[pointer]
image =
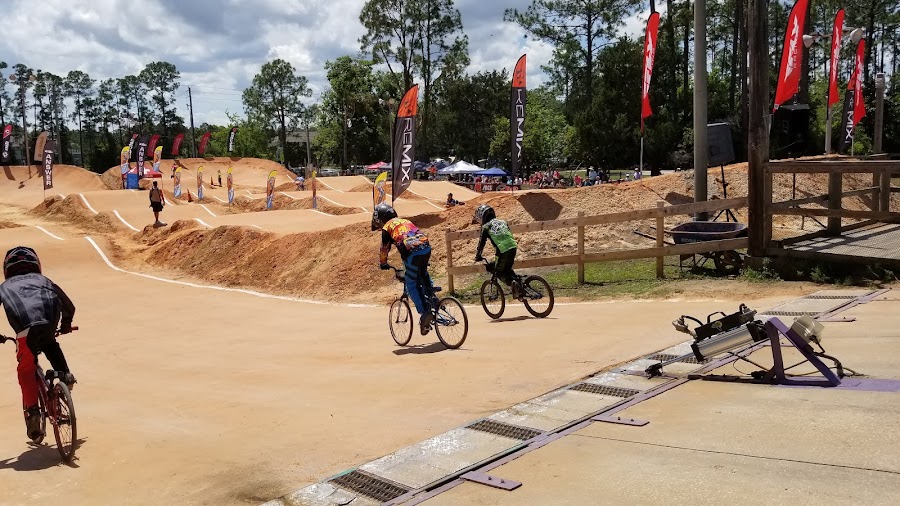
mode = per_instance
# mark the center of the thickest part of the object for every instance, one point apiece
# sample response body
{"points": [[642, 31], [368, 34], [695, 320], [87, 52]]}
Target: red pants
{"points": [[27, 370]]}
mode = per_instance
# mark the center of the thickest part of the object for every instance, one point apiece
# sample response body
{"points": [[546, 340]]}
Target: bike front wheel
{"points": [[64, 426], [537, 296], [401, 322], [451, 323], [492, 298]]}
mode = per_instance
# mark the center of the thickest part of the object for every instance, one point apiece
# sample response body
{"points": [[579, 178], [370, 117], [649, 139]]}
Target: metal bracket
{"points": [[840, 319], [619, 420], [491, 481]]}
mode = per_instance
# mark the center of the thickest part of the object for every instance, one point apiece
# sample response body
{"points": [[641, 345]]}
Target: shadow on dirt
{"points": [[37, 458], [422, 349]]}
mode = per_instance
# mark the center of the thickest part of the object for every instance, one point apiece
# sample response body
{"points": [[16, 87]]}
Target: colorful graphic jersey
{"points": [[403, 234], [500, 235]]}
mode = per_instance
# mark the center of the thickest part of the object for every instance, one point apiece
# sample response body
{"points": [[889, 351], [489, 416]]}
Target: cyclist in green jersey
{"points": [[501, 237]]}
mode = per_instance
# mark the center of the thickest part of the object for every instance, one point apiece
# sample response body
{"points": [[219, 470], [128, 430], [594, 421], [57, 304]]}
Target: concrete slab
{"points": [[675, 369], [578, 403], [626, 381], [322, 494], [434, 458], [579, 470]]}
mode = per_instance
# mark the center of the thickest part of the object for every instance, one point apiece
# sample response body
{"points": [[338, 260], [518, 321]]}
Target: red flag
{"points": [[836, 34], [203, 141], [152, 145], [859, 107], [789, 76], [7, 137], [404, 142], [649, 58], [176, 144], [517, 115]]}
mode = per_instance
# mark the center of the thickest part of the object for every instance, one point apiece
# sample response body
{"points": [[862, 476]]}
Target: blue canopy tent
{"points": [[493, 171]]}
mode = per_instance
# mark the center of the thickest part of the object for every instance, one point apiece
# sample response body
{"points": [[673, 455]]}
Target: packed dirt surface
{"points": [[239, 353]]}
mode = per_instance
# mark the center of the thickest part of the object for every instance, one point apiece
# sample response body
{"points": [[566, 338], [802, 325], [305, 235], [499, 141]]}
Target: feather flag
{"points": [[650, 41], [789, 75], [517, 103], [404, 142]]}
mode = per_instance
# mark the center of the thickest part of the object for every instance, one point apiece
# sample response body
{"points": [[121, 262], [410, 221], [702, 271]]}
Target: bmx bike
{"points": [[448, 317], [55, 403], [532, 290]]}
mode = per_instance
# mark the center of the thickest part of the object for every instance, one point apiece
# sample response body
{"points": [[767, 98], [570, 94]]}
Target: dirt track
{"points": [[191, 395]]}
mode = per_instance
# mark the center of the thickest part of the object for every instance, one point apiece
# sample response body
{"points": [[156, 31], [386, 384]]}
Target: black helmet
{"points": [[483, 214], [382, 214], [20, 260]]}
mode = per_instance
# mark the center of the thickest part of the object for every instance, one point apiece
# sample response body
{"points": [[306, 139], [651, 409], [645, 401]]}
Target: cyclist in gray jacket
{"points": [[34, 306]]}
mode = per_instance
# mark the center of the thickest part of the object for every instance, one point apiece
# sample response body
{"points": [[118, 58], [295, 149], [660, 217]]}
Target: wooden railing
{"points": [[880, 191], [580, 258]]}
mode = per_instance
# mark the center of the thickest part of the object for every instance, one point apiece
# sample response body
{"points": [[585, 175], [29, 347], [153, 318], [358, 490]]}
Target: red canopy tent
{"points": [[378, 166]]}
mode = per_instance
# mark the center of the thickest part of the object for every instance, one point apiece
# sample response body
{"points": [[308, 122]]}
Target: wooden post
{"points": [[758, 132], [449, 246], [660, 236], [834, 202], [885, 200], [876, 193], [580, 248]]}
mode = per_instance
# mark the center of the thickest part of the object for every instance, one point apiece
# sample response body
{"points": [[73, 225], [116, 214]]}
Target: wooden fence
{"points": [[580, 258]]}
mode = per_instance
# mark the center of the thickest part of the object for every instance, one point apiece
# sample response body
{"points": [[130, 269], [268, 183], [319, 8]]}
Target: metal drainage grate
{"points": [[605, 390], [665, 357], [505, 429], [830, 297], [370, 485], [792, 313]]}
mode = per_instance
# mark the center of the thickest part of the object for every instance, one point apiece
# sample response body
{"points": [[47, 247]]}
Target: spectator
{"points": [[577, 180], [452, 201], [300, 182], [220, 177]]}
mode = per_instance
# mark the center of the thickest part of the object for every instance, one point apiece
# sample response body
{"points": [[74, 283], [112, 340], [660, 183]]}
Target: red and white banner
{"points": [[176, 144], [789, 75], [649, 58], [856, 84], [836, 34], [151, 146], [203, 141], [7, 138]]}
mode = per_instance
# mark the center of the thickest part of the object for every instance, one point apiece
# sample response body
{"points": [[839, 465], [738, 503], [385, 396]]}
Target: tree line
{"points": [[586, 112]]}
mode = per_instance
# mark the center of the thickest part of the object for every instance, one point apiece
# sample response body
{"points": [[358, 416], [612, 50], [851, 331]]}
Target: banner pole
{"points": [[641, 166]]}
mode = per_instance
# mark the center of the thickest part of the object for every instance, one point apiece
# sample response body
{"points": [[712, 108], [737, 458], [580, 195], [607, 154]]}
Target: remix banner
{"points": [[7, 138], [270, 189], [378, 191], [789, 76], [176, 144], [230, 180], [200, 183], [404, 142], [48, 165], [650, 39], [177, 189], [836, 33], [517, 116], [157, 157], [203, 142]]}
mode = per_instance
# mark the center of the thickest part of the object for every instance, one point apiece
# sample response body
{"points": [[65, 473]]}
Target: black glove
{"points": [[65, 328], [384, 267], [478, 258]]}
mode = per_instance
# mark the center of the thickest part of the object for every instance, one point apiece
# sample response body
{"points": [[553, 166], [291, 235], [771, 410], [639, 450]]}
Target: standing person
{"points": [[414, 250], [502, 238], [34, 306], [157, 201], [220, 177]]}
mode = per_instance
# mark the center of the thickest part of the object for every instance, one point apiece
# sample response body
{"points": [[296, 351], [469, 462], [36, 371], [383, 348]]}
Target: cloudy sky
{"points": [[219, 45]]}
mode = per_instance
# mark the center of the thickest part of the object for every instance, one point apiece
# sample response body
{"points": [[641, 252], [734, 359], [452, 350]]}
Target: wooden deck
{"points": [[877, 243]]}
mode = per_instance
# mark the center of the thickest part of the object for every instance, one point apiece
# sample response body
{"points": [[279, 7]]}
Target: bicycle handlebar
{"points": [[3, 338]]}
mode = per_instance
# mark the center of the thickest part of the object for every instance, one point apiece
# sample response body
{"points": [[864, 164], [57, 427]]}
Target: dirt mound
{"points": [[8, 224], [72, 210], [361, 188]]}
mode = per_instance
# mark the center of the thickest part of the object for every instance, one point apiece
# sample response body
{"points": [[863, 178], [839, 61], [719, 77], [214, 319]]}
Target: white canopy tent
{"points": [[461, 167]]}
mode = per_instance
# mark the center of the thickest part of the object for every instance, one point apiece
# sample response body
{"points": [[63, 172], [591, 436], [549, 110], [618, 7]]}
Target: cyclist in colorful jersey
{"points": [[34, 305], [414, 250], [501, 237]]}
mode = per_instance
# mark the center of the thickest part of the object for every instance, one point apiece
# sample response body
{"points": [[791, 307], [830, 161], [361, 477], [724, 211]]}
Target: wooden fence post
{"points": [[660, 235], [580, 248], [834, 202], [885, 196], [449, 246]]}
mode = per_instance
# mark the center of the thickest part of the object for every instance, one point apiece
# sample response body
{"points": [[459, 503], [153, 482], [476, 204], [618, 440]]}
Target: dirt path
{"points": [[192, 395]]}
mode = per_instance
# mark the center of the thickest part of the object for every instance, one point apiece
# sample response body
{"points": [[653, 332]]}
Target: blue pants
{"points": [[418, 283]]}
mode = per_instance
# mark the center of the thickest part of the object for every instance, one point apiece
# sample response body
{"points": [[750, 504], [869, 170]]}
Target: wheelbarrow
{"points": [[726, 262]]}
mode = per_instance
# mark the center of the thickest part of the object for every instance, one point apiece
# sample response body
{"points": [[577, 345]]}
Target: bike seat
{"points": [[436, 289]]}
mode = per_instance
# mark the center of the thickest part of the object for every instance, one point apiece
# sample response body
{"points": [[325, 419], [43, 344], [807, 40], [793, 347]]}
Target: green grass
{"points": [[628, 278]]}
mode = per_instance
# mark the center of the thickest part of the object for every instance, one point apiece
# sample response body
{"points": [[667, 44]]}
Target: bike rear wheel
{"points": [[451, 323], [43, 417], [492, 298], [537, 296], [64, 426], [400, 321]]}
